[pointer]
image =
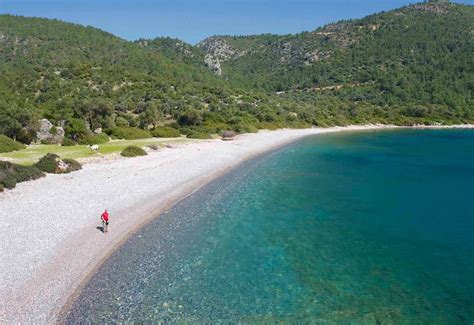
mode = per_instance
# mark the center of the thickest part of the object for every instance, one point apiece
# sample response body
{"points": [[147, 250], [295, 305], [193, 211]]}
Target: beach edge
{"points": [[147, 212]]}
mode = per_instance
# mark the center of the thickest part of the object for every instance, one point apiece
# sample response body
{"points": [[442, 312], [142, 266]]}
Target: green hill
{"points": [[411, 65], [422, 54], [175, 49], [62, 71]]}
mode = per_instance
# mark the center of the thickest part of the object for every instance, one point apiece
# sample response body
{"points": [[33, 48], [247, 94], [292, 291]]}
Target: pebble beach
{"points": [[49, 231]]}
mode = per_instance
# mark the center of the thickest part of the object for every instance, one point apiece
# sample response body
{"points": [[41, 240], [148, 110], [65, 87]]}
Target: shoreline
{"points": [[54, 277]]}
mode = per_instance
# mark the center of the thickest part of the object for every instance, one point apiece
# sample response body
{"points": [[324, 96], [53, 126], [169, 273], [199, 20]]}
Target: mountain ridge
{"points": [[409, 65]]}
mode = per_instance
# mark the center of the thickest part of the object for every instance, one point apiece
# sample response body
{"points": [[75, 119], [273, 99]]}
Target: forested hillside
{"points": [[411, 65], [420, 54]]}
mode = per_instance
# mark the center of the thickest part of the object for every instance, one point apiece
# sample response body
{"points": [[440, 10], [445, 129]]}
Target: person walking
{"points": [[105, 220]]}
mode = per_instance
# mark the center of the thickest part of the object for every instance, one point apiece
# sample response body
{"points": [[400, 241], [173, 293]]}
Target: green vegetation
{"points": [[49, 164], [165, 132], [198, 135], [11, 174], [72, 165], [133, 151], [68, 143], [52, 164], [94, 139], [129, 133], [411, 65], [8, 145], [32, 154]]}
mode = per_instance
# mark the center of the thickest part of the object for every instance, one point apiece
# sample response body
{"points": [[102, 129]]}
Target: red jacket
{"points": [[105, 216]]}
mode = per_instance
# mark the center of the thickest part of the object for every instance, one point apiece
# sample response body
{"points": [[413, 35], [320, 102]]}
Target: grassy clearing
{"points": [[32, 154]]}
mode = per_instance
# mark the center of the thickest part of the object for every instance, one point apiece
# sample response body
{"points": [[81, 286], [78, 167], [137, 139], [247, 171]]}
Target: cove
{"points": [[361, 227]]}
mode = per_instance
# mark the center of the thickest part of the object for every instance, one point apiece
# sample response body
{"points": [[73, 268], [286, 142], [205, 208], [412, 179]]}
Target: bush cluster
{"points": [[198, 135], [245, 128], [269, 125], [165, 132], [94, 139], [8, 145], [52, 164], [133, 151], [11, 174], [49, 163], [129, 133], [72, 165], [68, 142]]}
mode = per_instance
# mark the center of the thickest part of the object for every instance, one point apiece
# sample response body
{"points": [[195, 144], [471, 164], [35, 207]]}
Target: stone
{"points": [[48, 133], [98, 131], [217, 51]]}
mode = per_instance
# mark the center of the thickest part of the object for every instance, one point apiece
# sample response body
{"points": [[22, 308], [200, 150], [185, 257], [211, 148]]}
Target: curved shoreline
{"points": [[45, 296], [64, 308]]}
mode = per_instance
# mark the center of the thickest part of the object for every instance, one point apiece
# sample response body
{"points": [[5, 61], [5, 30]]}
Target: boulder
{"points": [[48, 133]]}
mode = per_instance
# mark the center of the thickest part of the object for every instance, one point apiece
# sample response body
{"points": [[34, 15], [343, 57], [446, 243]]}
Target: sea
{"points": [[366, 227]]}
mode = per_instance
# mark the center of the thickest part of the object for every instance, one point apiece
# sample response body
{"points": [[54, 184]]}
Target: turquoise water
{"points": [[368, 227]]}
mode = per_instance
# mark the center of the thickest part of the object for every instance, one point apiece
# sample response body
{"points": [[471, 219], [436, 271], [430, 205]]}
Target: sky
{"points": [[194, 20]]}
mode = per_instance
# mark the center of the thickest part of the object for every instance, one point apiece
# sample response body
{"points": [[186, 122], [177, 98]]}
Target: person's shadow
{"points": [[100, 228]]}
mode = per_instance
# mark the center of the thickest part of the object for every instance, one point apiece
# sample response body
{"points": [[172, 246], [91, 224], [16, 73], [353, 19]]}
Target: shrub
{"points": [[52, 164], [27, 173], [68, 142], [53, 130], [8, 145], [130, 133], [245, 128], [48, 141], [269, 125], [216, 127], [7, 180], [198, 135], [190, 118], [11, 174], [165, 132], [76, 129], [122, 122], [72, 165], [49, 163], [94, 139], [133, 151]]}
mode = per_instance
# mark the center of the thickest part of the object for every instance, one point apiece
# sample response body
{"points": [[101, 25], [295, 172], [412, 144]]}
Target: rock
{"points": [[434, 6], [48, 133], [217, 51], [98, 131]]}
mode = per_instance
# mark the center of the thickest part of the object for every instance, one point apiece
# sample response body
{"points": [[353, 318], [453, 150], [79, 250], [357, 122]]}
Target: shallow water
{"points": [[361, 227]]}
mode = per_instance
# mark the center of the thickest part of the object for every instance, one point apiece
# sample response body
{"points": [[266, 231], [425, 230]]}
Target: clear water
{"points": [[370, 227]]}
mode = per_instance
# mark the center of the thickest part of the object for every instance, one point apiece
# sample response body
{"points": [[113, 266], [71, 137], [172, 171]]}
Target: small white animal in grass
{"points": [[94, 148]]}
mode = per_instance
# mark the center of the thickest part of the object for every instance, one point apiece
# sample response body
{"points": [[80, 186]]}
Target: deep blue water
{"points": [[367, 227]]}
